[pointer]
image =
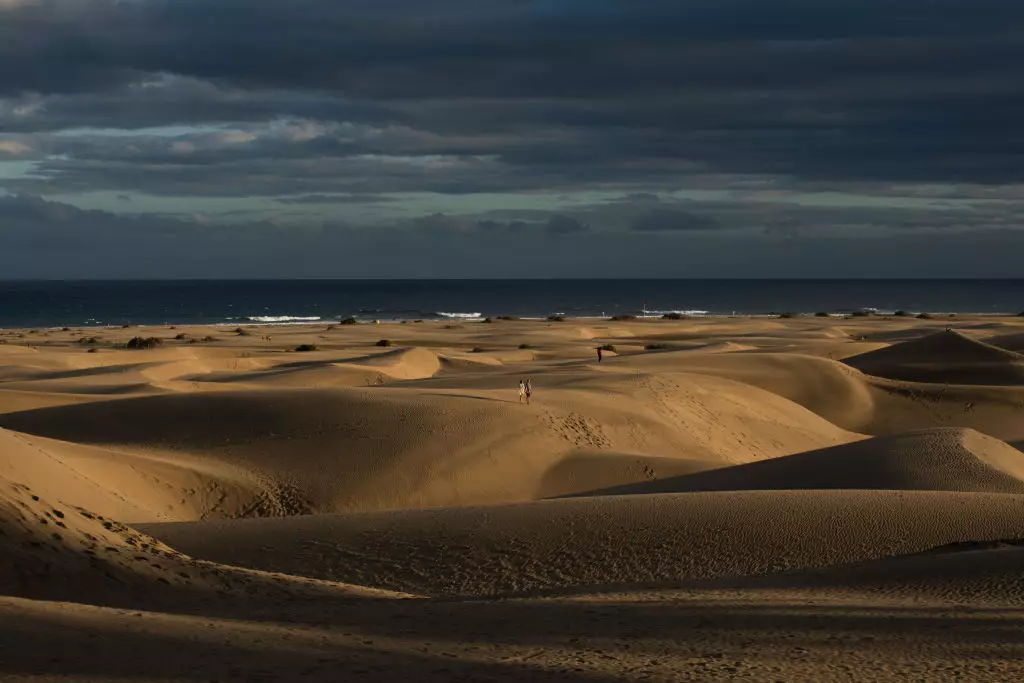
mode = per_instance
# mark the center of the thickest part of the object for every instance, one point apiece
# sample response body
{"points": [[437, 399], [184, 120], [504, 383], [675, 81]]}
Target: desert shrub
{"points": [[65, 329], [128, 325], [525, 346], [92, 350], [787, 316], [209, 338], [656, 347], [608, 347], [673, 316], [88, 340], [1021, 314], [348, 321], [242, 332], [556, 318], [901, 314], [821, 314], [478, 349], [144, 342], [385, 342], [507, 317], [862, 314], [622, 317], [417, 321], [306, 347], [181, 336], [924, 316]]}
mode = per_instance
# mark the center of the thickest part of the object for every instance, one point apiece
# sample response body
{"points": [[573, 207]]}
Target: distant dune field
{"points": [[716, 499]]}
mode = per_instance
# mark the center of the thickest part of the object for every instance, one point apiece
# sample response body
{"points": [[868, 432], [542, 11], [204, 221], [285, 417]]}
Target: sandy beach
{"points": [[766, 499]]}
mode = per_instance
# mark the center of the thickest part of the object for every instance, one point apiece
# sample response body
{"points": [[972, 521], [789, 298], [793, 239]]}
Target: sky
{"points": [[512, 138]]}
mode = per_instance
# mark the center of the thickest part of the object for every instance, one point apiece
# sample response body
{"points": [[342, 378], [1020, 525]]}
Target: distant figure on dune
{"points": [[522, 390], [599, 356], [529, 390]]}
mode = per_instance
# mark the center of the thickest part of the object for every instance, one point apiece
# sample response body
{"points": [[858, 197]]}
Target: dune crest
{"points": [[949, 459], [943, 357]]}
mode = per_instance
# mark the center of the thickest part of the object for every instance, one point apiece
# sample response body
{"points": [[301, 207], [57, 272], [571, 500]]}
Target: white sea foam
{"points": [[445, 314], [284, 318], [658, 314]]}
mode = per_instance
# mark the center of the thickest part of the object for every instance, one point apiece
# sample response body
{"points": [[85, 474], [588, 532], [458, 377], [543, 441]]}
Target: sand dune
{"points": [[945, 357], [824, 520], [600, 542], [1010, 342], [60, 552], [855, 401], [931, 460], [829, 388], [969, 573], [371, 448]]}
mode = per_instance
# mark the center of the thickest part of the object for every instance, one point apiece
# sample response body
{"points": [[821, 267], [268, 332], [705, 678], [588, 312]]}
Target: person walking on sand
{"points": [[529, 390], [599, 354], [522, 390]]}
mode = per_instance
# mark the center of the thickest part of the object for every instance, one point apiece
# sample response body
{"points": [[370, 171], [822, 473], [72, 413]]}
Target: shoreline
{"points": [[626, 318]]}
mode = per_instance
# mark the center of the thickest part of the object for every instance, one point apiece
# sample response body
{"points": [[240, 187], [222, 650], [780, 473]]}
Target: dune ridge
{"points": [[944, 459], [947, 357]]}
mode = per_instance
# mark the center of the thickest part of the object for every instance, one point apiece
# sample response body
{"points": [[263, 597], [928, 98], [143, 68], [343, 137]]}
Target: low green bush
{"points": [[139, 343]]}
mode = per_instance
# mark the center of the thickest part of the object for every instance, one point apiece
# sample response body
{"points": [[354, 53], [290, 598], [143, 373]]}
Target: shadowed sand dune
{"points": [[60, 552], [604, 541], [969, 573], [1010, 342], [933, 460], [945, 357]]}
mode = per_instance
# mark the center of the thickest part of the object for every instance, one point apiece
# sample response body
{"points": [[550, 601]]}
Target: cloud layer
{"points": [[783, 118]]}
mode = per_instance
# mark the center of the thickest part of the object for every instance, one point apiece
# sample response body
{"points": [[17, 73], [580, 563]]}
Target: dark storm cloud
{"points": [[560, 224], [335, 199], [45, 239], [571, 92], [670, 221]]}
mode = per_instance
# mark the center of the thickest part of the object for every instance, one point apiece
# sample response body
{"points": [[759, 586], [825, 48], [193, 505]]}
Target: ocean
{"points": [[212, 302]]}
